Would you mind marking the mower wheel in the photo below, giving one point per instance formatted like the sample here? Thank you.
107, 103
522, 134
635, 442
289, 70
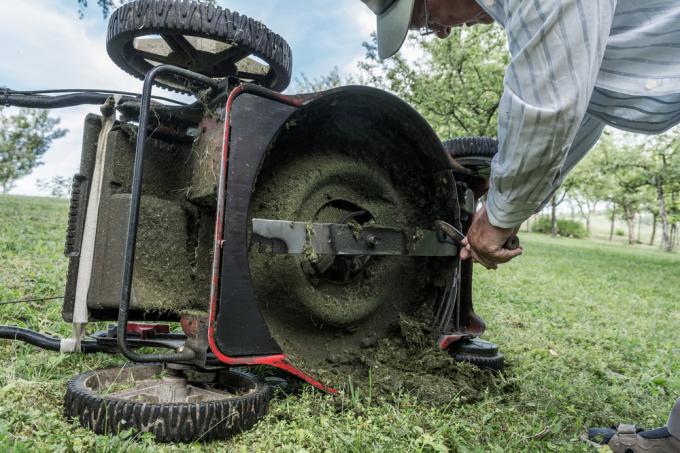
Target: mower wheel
473, 153
149, 398
200, 37
495, 363
478, 352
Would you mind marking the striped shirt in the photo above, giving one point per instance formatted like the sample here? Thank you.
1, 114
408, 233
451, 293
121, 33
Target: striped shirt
576, 66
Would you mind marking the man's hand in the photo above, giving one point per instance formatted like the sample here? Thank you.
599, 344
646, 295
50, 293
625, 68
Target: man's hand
484, 242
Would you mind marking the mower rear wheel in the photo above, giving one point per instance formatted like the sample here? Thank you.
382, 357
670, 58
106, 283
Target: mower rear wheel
199, 37
149, 398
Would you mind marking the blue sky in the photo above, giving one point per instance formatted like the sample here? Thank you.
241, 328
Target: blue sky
45, 45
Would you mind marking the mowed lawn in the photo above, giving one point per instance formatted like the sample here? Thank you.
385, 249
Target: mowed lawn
591, 334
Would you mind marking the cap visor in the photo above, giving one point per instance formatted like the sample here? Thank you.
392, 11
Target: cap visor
393, 27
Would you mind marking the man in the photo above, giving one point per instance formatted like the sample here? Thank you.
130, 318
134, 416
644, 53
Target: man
576, 66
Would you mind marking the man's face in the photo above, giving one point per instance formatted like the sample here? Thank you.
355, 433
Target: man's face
441, 15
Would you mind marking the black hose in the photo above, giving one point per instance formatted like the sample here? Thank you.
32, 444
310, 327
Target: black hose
52, 102
90, 90
48, 342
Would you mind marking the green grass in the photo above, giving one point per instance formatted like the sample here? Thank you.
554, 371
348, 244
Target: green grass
589, 329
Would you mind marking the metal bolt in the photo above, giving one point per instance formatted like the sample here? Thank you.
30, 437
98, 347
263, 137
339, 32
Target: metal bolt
372, 240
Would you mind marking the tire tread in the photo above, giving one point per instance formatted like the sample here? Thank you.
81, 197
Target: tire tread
170, 422
203, 19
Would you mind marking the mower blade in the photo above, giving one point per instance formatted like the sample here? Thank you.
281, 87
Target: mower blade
285, 236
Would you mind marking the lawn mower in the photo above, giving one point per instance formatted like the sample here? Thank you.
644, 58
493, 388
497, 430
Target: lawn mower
249, 227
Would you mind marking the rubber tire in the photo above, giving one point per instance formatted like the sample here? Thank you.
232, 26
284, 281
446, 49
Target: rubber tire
187, 421
478, 352
473, 153
471, 146
197, 19
495, 363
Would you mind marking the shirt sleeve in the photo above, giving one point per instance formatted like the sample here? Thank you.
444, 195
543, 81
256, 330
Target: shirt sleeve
556, 48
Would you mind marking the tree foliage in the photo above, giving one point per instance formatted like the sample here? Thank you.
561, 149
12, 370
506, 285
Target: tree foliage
589, 184
24, 138
56, 186
107, 6
456, 86
333, 79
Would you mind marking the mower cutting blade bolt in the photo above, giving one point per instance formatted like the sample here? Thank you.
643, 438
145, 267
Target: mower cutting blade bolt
372, 240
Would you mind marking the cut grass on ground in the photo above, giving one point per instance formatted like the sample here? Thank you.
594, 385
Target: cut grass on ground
590, 332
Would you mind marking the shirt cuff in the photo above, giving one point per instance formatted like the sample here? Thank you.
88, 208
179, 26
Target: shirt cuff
504, 214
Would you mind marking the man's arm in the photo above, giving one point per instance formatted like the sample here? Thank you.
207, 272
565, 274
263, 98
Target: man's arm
557, 50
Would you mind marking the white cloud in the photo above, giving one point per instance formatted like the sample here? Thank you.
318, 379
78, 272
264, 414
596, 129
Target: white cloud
361, 17
45, 45
52, 49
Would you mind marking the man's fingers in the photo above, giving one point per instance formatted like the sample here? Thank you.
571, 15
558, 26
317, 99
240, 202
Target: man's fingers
489, 264
465, 254
504, 255
492, 258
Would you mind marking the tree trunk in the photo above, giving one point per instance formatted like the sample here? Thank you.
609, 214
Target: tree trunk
588, 226
674, 235
639, 238
630, 222
611, 228
666, 243
651, 241
553, 217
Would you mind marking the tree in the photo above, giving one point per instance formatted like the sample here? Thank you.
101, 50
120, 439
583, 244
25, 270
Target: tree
651, 206
456, 86
624, 181
657, 165
57, 186
556, 200
332, 80
664, 174
589, 184
24, 138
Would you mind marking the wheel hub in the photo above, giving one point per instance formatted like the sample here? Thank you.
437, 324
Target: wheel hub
339, 270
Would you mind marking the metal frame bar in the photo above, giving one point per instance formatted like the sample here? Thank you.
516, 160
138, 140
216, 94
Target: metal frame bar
133, 219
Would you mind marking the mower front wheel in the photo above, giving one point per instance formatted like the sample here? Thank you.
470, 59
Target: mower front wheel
149, 398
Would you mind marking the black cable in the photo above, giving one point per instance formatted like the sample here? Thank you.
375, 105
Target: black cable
88, 90
36, 299
50, 102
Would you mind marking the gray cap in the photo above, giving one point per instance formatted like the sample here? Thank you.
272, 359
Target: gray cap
394, 17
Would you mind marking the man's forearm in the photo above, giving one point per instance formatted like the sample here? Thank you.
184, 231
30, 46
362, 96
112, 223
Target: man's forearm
548, 85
